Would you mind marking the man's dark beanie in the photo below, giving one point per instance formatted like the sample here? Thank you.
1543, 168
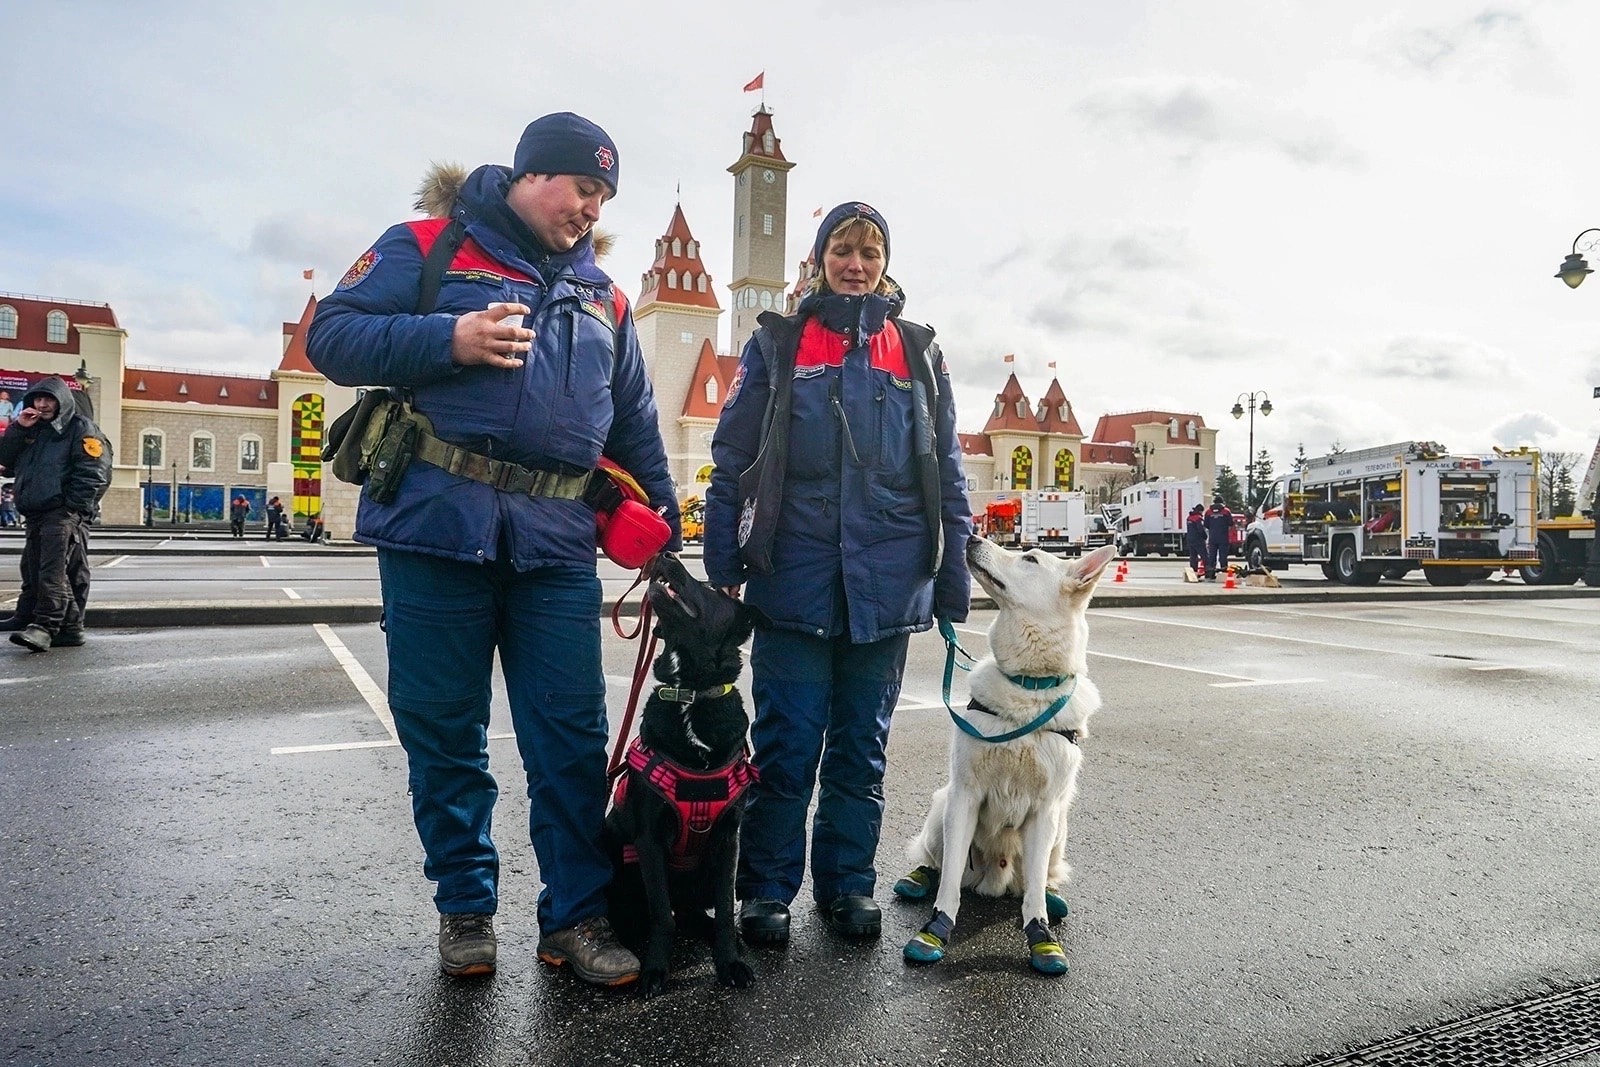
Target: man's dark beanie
838, 217
564, 143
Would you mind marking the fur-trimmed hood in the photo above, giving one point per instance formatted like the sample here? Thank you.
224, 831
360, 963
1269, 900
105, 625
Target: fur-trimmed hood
443, 183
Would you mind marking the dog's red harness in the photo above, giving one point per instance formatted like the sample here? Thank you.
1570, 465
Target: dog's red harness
699, 797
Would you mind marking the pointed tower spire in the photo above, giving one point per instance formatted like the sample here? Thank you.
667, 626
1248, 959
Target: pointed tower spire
760, 226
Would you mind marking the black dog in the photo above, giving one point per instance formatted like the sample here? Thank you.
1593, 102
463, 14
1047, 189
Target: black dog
674, 829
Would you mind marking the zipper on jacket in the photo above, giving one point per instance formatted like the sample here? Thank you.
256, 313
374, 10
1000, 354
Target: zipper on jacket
844, 421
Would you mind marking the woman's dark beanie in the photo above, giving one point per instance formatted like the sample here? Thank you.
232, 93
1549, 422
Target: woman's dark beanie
841, 214
564, 143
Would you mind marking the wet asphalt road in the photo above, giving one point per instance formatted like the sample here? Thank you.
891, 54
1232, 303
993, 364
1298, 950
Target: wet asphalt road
1301, 829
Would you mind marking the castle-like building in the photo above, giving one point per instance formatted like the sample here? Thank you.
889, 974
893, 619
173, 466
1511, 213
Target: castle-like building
187, 441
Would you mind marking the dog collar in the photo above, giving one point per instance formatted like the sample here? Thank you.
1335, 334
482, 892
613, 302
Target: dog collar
689, 696
1048, 681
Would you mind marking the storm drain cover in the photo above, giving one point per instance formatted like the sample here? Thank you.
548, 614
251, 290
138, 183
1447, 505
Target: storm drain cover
1553, 1029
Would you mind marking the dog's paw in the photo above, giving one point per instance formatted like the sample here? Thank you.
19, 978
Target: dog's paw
736, 973
652, 982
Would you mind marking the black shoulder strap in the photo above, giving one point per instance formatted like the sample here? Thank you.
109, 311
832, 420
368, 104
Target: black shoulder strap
444, 249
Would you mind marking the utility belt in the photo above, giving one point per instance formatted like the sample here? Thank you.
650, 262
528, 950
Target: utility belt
374, 442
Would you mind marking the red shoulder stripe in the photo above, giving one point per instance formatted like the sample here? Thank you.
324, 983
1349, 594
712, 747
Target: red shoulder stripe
470, 257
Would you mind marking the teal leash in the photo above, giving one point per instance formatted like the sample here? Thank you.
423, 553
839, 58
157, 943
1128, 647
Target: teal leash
952, 646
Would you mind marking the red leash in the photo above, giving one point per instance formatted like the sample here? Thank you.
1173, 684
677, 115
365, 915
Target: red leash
641, 669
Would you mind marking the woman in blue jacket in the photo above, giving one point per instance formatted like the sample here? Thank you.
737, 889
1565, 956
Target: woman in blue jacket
850, 532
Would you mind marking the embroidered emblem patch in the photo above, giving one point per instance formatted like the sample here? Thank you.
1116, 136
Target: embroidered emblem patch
604, 157
93, 448
595, 308
359, 270
733, 390
747, 521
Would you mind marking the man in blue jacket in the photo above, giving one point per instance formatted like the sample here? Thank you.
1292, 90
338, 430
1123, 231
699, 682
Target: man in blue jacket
528, 368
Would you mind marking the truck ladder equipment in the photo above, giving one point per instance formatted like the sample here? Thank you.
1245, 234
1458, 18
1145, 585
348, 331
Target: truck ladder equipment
1397, 452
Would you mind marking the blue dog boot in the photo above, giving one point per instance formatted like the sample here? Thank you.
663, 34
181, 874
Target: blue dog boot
928, 945
1055, 906
918, 884
1045, 953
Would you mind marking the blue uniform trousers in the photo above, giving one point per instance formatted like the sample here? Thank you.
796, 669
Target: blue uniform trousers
819, 702
445, 620
1216, 555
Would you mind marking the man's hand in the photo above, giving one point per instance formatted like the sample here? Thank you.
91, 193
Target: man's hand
482, 338
29, 417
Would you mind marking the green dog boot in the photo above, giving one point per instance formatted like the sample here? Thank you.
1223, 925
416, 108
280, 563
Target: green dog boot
928, 945
1055, 906
917, 885
1045, 953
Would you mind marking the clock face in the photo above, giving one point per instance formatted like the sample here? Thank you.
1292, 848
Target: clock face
768, 177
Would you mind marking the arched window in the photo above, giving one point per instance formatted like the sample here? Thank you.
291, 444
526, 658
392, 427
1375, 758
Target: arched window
700, 283
711, 390
703, 475
766, 299
672, 279
55, 327
689, 249
250, 454
202, 451
767, 142
1022, 407
677, 247
8, 321
1172, 426
1064, 469
1194, 431
1021, 467
152, 447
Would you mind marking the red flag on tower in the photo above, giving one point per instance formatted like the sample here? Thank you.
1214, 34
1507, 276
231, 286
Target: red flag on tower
1009, 357
817, 214
755, 83
306, 274
1051, 364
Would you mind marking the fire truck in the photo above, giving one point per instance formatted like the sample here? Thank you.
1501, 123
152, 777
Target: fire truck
1152, 515
1564, 542
1057, 520
1382, 512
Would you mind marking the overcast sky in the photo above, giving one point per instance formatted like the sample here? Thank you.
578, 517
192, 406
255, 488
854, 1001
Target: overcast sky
1356, 207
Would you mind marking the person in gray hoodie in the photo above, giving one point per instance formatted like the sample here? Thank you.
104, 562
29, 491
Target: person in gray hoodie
62, 465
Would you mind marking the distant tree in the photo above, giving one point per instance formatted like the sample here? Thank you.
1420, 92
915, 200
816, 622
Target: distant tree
1556, 490
1112, 485
1228, 486
1300, 457
1336, 449
1260, 475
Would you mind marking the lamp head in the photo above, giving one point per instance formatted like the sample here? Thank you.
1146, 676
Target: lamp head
1238, 410
1573, 270
1266, 407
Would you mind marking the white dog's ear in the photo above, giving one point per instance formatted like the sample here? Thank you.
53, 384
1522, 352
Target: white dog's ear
1093, 565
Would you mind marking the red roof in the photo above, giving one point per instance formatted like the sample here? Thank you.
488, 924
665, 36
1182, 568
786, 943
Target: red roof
678, 255
755, 140
33, 314
294, 356
1118, 428
199, 387
1094, 453
708, 366
1055, 412
1012, 410
974, 444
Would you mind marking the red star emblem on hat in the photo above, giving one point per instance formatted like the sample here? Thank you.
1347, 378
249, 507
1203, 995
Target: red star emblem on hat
604, 156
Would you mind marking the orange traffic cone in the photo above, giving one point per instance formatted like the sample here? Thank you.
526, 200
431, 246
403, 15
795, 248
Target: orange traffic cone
1230, 583
1120, 576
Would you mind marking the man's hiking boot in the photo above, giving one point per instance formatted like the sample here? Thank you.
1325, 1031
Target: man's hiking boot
592, 950
35, 638
764, 921
67, 639
466, 944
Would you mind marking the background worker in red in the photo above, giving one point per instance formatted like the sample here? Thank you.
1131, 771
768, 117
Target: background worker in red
1219, 524
1194, 538
527, 355
868, 545
62, 464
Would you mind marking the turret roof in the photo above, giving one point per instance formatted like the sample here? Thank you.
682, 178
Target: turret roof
678, 257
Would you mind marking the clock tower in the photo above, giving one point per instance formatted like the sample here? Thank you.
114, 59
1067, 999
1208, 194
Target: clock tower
760, 213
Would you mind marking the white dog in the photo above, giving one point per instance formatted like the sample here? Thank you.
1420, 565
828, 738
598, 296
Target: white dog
1002, 819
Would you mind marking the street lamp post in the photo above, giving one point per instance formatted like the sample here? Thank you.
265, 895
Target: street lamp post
1574, 269
149, 489
1250, 466
172, 506
188, 499
1144, 448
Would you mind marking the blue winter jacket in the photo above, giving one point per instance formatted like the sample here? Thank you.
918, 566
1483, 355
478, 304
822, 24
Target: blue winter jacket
581, 391
853, 548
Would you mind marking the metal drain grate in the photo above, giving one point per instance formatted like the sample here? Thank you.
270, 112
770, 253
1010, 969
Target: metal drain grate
1552, 1029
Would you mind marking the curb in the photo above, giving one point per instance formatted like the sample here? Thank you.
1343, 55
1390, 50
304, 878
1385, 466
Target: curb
174, 613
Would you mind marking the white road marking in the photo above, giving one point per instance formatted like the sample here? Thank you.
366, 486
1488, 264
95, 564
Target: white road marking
358, 676
1407, 625
1246, 685
292, 595
292, 750
1567, 606
265, 562
112, 562
1122, 613
1511, 667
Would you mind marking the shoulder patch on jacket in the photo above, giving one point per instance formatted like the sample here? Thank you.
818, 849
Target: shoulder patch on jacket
738, 384
359, 270
93, 448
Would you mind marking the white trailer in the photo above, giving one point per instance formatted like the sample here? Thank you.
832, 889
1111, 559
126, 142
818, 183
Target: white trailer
1054, 519
1382, 512
1153, 514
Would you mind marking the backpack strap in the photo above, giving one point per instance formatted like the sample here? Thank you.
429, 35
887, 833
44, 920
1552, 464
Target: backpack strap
437, 261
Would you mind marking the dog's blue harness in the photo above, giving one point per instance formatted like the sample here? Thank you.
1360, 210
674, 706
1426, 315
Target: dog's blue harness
1053, 681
